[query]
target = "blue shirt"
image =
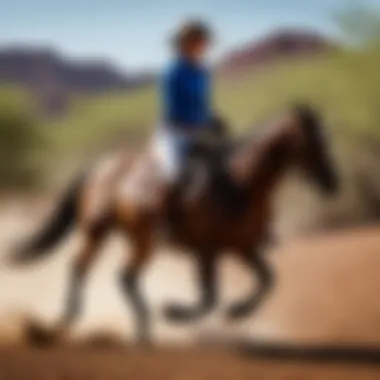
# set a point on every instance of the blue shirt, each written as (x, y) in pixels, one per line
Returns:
(186, 95)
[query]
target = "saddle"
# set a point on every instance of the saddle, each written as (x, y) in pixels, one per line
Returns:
(206, 170)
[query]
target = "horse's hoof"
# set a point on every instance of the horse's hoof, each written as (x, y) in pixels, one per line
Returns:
(238, 312)
(42, 336)
(179, 314)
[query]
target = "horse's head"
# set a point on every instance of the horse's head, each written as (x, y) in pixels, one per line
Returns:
(314, 155)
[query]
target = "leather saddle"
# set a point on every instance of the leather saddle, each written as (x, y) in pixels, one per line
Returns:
(206, 169)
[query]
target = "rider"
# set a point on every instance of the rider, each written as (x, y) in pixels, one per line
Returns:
(187, 104)
(187, 113)
(185, 93)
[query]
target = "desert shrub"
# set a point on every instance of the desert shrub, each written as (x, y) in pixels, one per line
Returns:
(21, 141)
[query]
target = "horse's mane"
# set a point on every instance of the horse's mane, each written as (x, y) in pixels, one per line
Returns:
(258, 130)
(256, 133)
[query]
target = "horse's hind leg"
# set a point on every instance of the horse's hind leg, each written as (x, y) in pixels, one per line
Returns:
(39, 334)
(257, 264)
(129, 280)
(207, 281)
(93, 237)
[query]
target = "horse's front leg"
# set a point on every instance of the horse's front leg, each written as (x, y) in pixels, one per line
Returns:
(258, 266)
(207, 282)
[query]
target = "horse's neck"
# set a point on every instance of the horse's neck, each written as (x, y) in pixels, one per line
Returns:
(270, 161)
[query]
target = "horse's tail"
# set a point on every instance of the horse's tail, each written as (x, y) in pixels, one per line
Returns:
(55, 229)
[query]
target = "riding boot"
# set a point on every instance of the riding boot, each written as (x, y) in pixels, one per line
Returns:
(177, 189)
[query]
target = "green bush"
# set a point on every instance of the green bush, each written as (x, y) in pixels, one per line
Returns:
(20, 141)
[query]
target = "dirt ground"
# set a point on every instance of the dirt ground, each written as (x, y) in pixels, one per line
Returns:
(326, 293)
(165, 364)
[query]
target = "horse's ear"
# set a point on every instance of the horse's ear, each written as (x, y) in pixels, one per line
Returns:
(308, 115)
(302, 108)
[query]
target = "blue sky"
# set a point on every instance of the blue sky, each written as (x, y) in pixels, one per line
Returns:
(134, 33)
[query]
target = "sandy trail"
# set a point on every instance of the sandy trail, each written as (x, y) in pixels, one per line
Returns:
(327, 291)
(165, 364)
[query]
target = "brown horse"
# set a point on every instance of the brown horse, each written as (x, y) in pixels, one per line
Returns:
(107, 198)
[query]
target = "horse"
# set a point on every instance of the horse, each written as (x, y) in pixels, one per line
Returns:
(104, 199)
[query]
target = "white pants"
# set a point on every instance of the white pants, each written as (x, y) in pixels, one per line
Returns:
(170, 149)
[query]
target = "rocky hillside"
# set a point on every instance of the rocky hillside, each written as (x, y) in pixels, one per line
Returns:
(281, 44)
(52, 77)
